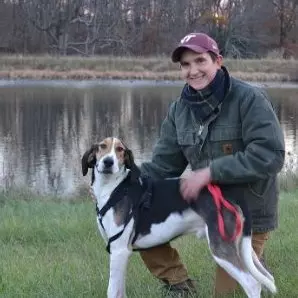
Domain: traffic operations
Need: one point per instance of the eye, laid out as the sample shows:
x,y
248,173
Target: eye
x,y
200,60
119,149
103,146
183,64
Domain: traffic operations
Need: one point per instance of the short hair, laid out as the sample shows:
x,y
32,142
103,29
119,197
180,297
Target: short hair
x,y
213,56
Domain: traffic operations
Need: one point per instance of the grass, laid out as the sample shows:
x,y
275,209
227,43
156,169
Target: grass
x,y
51,248
153,68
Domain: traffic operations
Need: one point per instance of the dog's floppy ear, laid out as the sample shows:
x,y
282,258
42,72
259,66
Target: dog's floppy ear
x,y
128,159
130,164
89,159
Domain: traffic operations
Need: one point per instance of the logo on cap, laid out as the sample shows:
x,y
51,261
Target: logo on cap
x,y
187,38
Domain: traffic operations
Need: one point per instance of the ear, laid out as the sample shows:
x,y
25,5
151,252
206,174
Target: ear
x,y
130,164
89,159
128,159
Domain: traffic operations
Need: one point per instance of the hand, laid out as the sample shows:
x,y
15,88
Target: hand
x,y
192,184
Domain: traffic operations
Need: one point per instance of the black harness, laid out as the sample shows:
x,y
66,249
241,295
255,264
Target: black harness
x,y
139,194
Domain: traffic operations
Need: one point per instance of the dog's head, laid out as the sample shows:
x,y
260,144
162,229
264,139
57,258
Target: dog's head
x,y
109,157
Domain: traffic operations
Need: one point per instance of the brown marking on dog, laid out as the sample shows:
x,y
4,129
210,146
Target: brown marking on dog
x,y
111,144
121,210
119,148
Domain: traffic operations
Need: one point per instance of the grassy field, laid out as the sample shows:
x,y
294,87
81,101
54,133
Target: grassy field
x,y
154,68
51,248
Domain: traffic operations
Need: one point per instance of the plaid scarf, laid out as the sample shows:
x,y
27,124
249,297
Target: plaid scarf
x,y
204,102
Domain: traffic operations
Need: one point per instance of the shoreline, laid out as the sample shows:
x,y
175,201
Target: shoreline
x,y
16,67
135,83
85,74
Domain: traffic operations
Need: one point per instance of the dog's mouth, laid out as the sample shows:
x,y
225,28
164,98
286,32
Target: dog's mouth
x,y
107,171
104,170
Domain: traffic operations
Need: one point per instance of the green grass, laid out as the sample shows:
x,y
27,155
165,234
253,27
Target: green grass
x,y
51,248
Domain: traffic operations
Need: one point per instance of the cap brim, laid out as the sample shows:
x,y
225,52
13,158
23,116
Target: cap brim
x,y
176,55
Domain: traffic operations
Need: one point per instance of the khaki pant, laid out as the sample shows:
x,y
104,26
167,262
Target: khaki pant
x,y
164,263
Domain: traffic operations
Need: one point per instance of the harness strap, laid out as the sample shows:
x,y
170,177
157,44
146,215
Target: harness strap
x,y
116,236
220,203
99,218
143,189
116,196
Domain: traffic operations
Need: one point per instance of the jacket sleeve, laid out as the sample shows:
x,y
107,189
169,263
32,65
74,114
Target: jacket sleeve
x,y
168,160
263,140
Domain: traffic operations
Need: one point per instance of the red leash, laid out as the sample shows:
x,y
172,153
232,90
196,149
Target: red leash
x,y
221,203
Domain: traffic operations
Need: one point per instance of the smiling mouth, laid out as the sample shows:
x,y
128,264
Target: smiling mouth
x,y
198,78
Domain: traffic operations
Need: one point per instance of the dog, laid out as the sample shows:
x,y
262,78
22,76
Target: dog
x,y
135,213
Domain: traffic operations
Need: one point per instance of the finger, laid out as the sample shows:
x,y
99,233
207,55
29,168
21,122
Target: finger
x,y
187,195
184,190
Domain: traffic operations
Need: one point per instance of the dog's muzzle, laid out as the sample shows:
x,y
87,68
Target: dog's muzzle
x,y
107,163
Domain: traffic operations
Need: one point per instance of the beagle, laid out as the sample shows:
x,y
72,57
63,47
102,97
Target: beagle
x,y
135,213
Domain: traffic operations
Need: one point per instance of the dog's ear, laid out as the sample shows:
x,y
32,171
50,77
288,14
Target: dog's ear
x,y
130,164
89,159
128,159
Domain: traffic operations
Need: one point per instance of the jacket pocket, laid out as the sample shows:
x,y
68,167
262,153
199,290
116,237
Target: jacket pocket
x,y
186,138
187,143
260,188
225,140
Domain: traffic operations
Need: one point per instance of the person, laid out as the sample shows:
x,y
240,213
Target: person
x,y
227,132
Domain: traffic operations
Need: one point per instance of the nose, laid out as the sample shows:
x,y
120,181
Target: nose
x,y
193,70
108,162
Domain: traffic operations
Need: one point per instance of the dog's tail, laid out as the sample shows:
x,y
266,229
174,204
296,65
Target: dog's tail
x,y
261,274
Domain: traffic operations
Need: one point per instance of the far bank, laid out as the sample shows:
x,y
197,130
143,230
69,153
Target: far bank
x,y
136,68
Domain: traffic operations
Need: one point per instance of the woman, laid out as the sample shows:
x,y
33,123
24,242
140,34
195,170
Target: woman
x,y
228,133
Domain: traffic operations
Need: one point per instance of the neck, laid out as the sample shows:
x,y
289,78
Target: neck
x,y
104,185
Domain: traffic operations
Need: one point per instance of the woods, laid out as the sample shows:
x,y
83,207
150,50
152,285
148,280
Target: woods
x,y
243,28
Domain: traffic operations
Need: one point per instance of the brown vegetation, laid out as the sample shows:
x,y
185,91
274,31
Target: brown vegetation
x,y
154,68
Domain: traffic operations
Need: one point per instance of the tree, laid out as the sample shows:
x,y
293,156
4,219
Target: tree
x,y
54,18
286,11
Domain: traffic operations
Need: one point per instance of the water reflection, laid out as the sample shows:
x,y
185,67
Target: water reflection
x,y
45,129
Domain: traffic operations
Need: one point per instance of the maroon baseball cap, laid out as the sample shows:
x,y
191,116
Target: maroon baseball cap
x,y
197,42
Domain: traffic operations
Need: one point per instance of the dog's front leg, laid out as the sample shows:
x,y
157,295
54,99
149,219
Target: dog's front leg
x,y
118,264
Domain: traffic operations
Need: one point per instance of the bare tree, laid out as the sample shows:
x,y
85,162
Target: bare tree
x,y
54,18
243,28
286,11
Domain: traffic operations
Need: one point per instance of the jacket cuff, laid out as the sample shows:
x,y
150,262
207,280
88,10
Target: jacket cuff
x,y
216,175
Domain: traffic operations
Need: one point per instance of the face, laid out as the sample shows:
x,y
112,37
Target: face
x,y
110,156
198,70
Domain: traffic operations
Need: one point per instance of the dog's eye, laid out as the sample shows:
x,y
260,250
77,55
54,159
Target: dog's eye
x,y
103,146
119,149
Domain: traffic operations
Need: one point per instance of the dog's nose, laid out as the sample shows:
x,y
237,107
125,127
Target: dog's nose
x,y
108,162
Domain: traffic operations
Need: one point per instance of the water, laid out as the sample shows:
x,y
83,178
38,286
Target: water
x,y
45,127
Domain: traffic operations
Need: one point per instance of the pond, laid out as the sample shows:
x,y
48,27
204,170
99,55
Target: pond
x,y
46,126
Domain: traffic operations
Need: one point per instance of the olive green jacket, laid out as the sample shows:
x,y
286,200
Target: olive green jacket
x,y
242,143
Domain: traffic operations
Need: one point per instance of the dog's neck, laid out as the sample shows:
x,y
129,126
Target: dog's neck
x,y
104,185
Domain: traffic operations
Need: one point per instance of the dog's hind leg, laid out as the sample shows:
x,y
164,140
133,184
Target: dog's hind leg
x,y
260,266
226,256
118,264
251,286
247,255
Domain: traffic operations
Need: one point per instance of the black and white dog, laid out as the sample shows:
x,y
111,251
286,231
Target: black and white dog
x,y
135,213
